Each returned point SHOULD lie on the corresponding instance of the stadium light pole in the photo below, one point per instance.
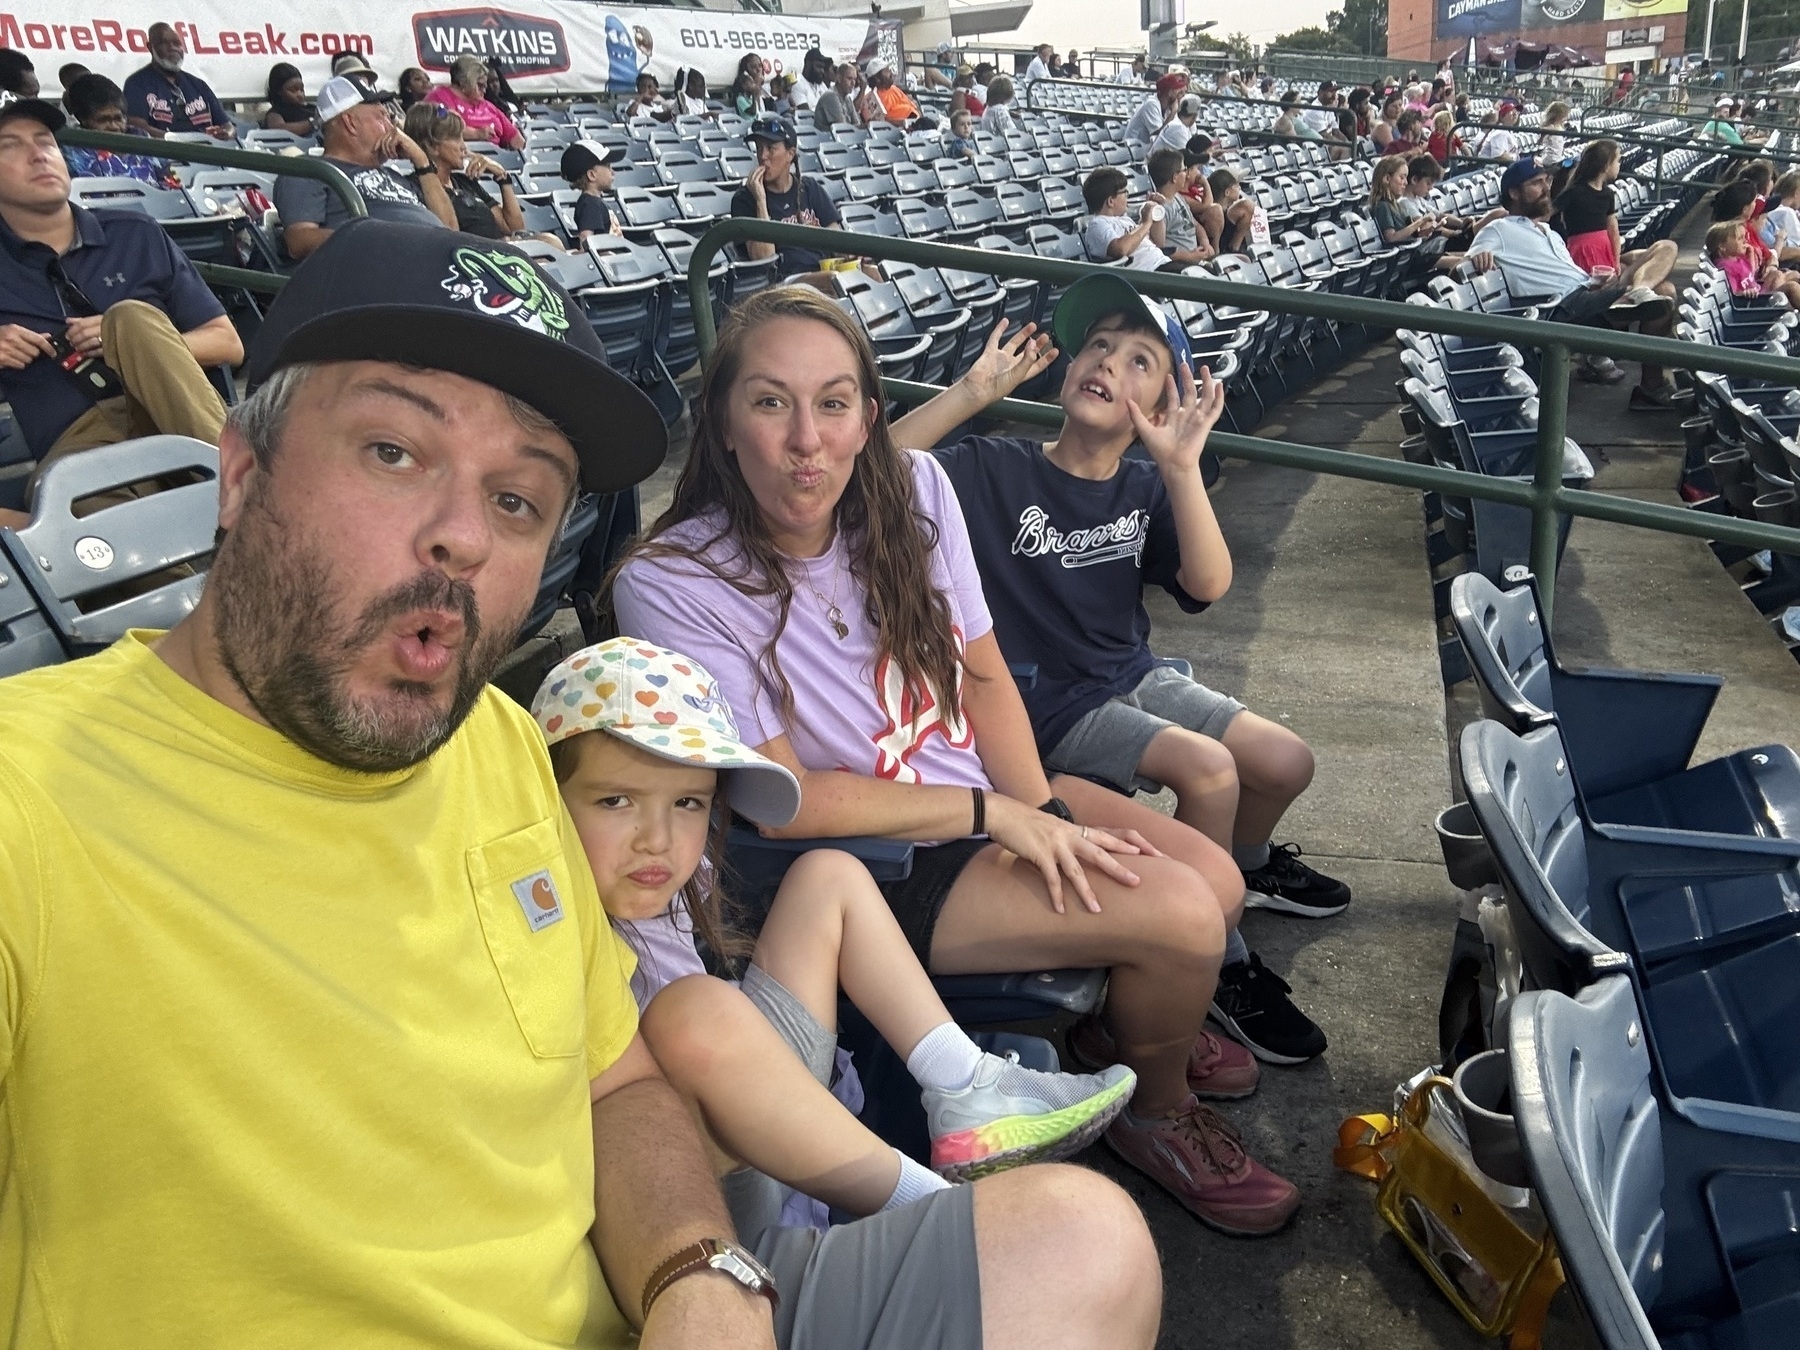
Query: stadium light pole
(1744, 33)
(1706, 44)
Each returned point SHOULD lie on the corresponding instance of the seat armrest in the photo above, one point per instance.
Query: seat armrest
(886, 859)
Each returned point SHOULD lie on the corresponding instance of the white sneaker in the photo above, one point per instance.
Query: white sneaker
(1012, 1115)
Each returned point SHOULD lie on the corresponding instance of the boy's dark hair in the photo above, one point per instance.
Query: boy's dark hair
(14, 66)
(642, 76)
(1424, 169)
(712, 913)
(1164, 164)
(1136, 320)
(1733, 198)
(89, 94)
(1101, 185)
(1219, 182)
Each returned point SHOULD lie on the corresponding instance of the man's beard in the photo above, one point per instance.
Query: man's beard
(282, 639)
(168, 63)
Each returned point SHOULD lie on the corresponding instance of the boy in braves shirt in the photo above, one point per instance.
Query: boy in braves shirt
(1066, 535)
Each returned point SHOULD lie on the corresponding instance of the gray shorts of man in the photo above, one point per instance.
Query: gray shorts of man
(1109, 742)
(895, 1281)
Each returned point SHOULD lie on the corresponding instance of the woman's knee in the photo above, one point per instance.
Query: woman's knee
(1176, 915)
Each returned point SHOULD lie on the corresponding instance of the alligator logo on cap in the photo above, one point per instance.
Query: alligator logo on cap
(506, 286)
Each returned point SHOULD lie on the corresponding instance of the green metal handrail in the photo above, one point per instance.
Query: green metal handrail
(1544, 495)
(227, 157)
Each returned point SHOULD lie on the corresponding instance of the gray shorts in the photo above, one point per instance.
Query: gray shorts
(901, 1280)
(1109, 742)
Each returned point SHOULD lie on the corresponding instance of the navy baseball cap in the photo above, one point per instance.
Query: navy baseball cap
(437, 299)
(771, 128)
(1094, 297)
(1520, 172)
(37, 109)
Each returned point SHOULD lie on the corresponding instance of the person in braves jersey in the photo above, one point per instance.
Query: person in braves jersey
(825, 578)
(161, 97)
(1066, 536)
(775, 190)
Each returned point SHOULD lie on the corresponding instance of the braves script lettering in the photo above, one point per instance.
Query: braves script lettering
(1122, 538)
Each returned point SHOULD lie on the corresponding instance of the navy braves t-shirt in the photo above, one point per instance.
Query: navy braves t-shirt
(1064, 562)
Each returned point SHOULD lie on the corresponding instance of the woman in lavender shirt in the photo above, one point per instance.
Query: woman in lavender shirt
(823, 575)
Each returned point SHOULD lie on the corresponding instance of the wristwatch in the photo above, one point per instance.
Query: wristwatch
(1057, 807)
(712, 1254)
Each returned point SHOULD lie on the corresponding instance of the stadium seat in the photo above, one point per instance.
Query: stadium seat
(135, 563)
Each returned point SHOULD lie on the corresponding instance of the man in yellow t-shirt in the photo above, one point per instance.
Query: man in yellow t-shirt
(313, 1031)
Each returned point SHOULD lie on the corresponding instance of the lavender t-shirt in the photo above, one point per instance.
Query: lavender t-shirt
(849, 708)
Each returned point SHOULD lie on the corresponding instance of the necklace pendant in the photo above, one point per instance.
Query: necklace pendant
(838, 625)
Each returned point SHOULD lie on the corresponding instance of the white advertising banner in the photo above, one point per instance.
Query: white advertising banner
(543, 45)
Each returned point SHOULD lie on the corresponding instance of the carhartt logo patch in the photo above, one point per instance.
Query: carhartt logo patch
(537, 896)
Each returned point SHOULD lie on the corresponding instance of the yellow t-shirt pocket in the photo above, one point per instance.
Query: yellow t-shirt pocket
(522, 893)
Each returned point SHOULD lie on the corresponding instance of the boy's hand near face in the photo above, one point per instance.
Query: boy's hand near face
(1005, 364)
(1176, 436)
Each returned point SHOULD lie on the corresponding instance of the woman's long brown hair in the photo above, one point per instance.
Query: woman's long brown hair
(889, 540)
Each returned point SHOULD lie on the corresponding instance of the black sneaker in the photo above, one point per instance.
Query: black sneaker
(1286, 884)
(1253, 1006)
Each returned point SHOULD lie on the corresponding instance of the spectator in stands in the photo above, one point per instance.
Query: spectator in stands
(959, 140)
(161, 97)
(106, 330)
(99, 105)
(1039, 67)
(587, 167)
(1139, 73)
(1387, 190)
(1536, 262)
(895, 105)
(997, 120)
(1111, 233)
(1409, 134)
(690, 93)
(824, 576)
(1590, 215)
(1551, 139)
(1444, 141)
(354, 68)
(1171, 176)
(1498, 140)
(648, 101)
(1239, 215)
(1290, 122)
(360, 139)
(814, 81)
(1422, 175)
(1070, 69)
(1322, 118)
(385, 515)
(776, 190)
(837, 106)
(1179, 131)
(1738, 200)
(17, 75)
(1387, 126)
(1359, 107)
(68, 73)
(1721, 126)
(747, 94)
(1068, 599)
(1780, 218)
(756, 1060)
(497, 91)
(464, 96)
(1154, 112)
(289, 108)
(415, 84)
(460, 172)
(1728, 245)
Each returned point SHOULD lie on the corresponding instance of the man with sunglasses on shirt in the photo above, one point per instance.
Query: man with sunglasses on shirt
(106, 330)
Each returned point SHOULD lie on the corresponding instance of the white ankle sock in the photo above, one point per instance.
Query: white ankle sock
(915, 1183)
(945, 1058)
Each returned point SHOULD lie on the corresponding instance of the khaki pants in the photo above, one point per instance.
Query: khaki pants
(165, 390)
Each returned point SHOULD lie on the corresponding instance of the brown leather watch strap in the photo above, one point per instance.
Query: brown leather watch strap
(689, 1260)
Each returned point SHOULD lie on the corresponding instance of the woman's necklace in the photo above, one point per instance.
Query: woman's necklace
(834, 614)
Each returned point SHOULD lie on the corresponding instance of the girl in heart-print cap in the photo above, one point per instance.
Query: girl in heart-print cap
(649, 763)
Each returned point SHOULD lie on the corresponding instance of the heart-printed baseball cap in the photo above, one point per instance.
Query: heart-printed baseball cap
(667, 705)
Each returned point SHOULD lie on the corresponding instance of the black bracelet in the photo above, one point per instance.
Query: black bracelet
(980, 812)
(1057, 807)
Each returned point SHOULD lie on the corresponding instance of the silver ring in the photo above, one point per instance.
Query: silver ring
(1084, 830)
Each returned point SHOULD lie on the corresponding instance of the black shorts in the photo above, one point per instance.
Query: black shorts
(1587, 306)
(916, 899)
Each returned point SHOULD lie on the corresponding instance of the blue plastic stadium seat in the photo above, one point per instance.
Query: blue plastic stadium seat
(1630, 734)
(1710, 924)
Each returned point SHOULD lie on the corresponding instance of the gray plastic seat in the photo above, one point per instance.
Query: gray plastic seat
(27, 640)
(92, 574)
(1630, 734)
(1673, 1237)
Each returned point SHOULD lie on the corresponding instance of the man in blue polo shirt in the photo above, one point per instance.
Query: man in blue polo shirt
(105, 327)
(162, 97)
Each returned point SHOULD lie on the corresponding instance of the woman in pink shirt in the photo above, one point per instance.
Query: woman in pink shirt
(481, 119)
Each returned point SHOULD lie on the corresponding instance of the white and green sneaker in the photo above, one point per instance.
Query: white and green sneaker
(1011, 1115)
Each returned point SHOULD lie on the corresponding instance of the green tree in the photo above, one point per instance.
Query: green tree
(1773, 23)
(1313, 39)
(1363, 24)
(1238, 44)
